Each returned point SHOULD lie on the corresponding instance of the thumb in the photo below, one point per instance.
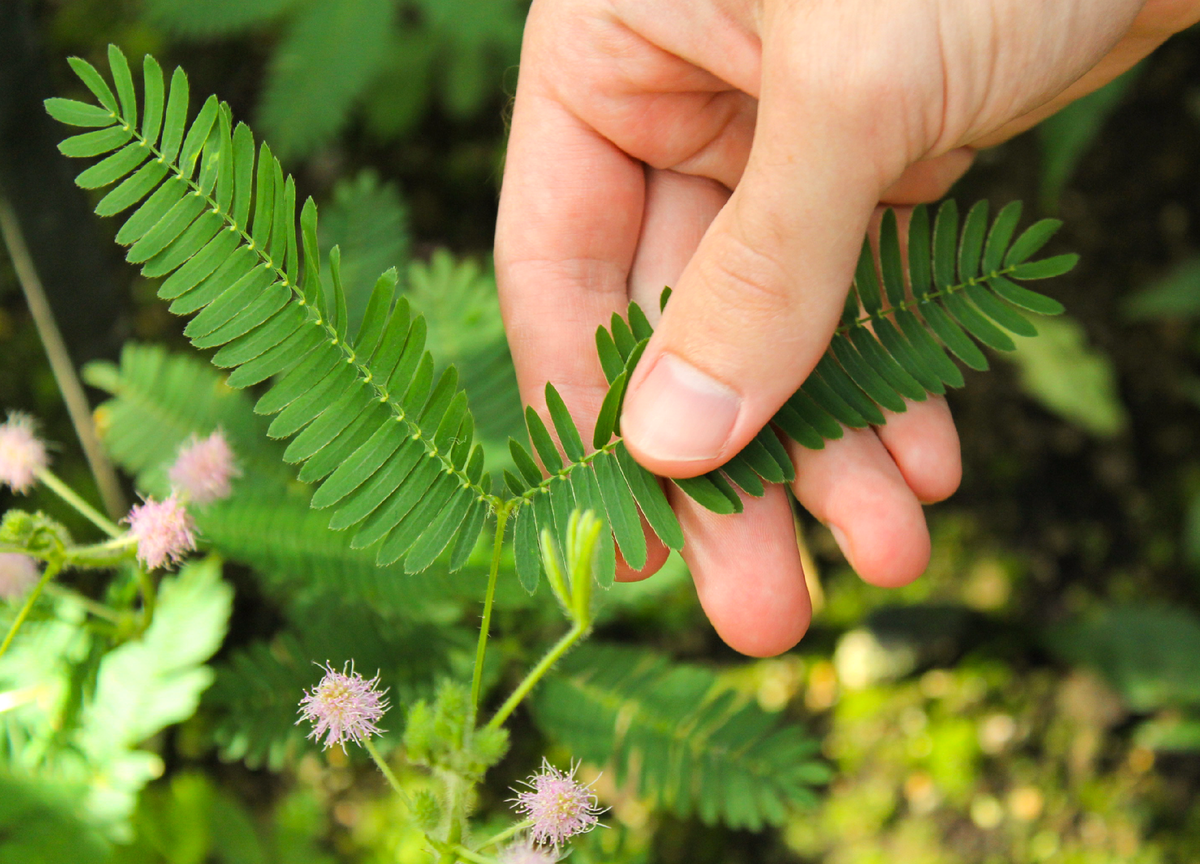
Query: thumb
(758, 302)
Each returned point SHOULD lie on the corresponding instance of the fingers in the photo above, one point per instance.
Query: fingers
(562, 261)
(929, 179)
(656, 556)
(923, 443)
(756, 305)
(747, 571)
(678, 210)
(855, 488)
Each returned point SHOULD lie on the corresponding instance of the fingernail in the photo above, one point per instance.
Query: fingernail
(679, 414)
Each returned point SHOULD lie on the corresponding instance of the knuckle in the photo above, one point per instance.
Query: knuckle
(746, 278)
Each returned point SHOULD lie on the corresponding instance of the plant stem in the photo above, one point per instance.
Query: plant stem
(149, 596)
(454, 795)
(464, 852)
(488, 600)
(60, 362)
(369, 746)
(52, 570)
(66, 493)
(506, 833)
(552, 656)
(90, 605)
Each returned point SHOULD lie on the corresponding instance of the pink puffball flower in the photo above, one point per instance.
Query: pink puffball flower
(22, 453)
(524, 852)
(18, 573)
(343, 706)
(203, 469)
(558, 805)
(164, 531)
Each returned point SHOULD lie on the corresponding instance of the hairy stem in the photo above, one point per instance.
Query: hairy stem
(456, 799)
(537, 673)
(488, 600)
(60, 362)
(65, 492)
(52, 570)
(369, 746)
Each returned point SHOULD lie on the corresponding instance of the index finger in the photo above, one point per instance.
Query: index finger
(570, 213)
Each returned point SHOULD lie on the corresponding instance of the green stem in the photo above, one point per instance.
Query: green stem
(488, 600)
(552, 656)
(6, 549)
(149, 596)
(464, 852)
(52, 570)
(916, 302)
(506, 833)
(66, 493)
(369, 746)
(90, 605)
(454, 796)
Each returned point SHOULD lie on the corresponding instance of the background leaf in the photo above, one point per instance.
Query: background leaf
(682, 741)
(214, 17)
(1175, 296)
(313, 82)
(39, 824)
(1059, 370)
(1149, 653)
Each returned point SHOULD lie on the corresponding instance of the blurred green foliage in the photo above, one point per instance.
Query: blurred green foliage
(393, 59)
(1067, 376)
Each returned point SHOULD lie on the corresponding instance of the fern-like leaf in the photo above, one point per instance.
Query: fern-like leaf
(258, 294)
(684, 743)
(161, 400)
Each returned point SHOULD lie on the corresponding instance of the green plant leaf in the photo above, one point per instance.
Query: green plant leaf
(681, 741)
(1069, 378)
(1150, 654)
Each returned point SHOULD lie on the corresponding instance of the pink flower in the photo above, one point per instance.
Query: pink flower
(164, 531)
(558, 805)
(18, 573)
(344, 705)
(524, 852)
(203, 469)
(22, 453)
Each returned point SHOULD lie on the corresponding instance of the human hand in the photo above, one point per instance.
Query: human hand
(634, 120)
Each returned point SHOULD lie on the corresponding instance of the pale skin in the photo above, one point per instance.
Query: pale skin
(737, 150)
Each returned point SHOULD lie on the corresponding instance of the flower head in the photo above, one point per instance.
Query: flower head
(22, 453)
(203, 469)
(344, 705)
(558, 805)
(164, 531)
(524, 852)
(18, 573)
